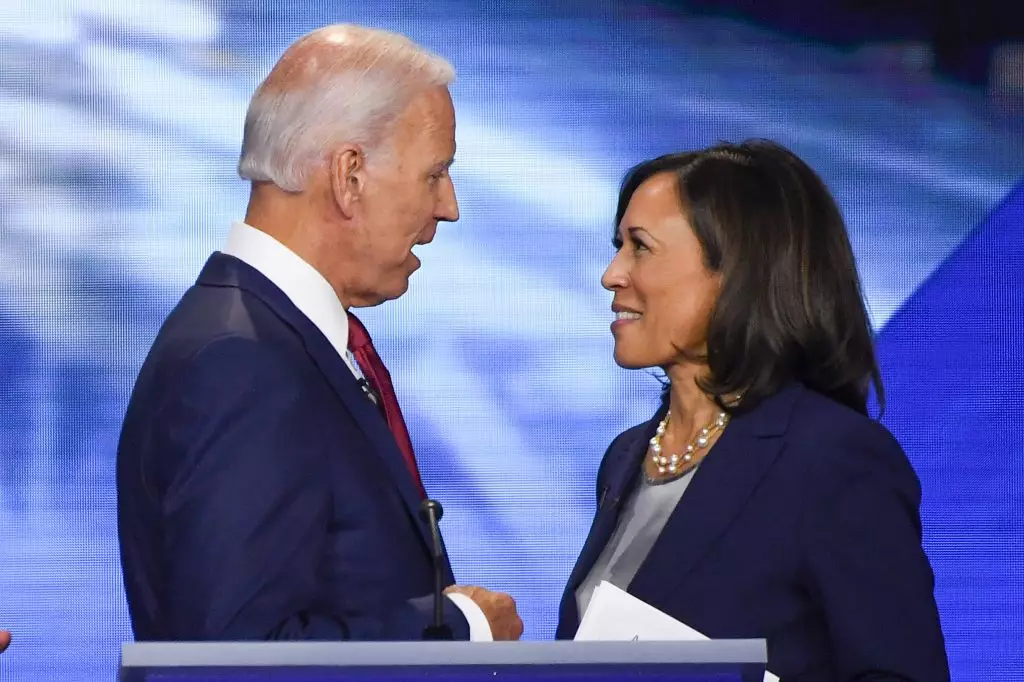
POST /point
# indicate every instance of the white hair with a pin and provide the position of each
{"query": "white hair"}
(341, 83)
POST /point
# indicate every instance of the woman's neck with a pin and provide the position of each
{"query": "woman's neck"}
(691, 408)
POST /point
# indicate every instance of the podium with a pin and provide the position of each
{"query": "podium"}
(741, 660)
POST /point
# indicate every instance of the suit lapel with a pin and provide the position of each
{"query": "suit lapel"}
(224, 270)
(716, 495)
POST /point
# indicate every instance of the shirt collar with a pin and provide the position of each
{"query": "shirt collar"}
(307, 289)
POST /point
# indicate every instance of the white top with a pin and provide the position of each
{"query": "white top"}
(315, 298)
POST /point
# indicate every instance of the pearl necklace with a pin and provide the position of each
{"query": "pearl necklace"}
(675, 465)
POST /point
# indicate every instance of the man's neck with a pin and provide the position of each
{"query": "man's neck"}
(290, 219)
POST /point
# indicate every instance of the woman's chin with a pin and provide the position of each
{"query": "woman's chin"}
(627, 360)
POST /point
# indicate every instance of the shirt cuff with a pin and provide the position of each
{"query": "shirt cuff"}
(479, 628)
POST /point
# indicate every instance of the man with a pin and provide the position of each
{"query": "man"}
(267, 488)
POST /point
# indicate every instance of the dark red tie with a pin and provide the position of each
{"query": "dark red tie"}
(377, 374)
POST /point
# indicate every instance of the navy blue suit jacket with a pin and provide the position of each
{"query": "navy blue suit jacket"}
(260, 493)
(802, 527)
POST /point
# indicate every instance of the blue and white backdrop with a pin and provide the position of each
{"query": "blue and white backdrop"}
(120, 123)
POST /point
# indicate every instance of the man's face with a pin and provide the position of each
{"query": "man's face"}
(407, 191)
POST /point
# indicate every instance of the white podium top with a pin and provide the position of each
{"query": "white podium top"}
(370, 654)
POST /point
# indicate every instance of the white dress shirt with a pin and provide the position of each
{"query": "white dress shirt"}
(315, 298)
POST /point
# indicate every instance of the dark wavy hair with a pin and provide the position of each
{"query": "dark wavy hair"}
(790, 305)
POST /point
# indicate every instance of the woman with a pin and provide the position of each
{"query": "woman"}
(760, 501)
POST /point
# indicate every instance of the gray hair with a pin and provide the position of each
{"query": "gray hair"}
(340, 83)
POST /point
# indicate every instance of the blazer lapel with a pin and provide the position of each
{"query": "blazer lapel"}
(224, 270)
(619, 481)
(717, 494)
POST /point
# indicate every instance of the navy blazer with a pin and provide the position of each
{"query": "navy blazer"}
(260, 492)
(801, 527)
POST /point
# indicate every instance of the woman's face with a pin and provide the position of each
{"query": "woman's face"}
(664, 294)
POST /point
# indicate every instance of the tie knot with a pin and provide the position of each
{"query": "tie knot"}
(358, 337)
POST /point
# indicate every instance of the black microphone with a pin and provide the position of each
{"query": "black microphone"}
(367, 390)
(431, 512)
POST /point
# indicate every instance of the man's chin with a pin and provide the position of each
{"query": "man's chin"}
(398, 290)
(385, 291)
(381, 295)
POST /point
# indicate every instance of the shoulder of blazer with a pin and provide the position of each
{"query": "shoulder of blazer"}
(837, 442)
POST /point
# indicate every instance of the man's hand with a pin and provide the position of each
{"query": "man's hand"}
(5, 640)
(498, 607)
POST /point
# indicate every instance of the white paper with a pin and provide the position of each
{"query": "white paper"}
(614, 615)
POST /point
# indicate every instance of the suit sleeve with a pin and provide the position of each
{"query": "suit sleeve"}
(867, 567)
(246, 506)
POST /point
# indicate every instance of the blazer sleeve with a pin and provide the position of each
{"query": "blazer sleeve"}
(866, 565)
(246, 505)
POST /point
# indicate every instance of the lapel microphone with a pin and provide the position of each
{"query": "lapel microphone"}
(367, 389)
(431, 512)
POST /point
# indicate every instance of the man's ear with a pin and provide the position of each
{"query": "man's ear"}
(348, 177)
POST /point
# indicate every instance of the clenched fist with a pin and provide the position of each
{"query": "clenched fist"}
(498, 607)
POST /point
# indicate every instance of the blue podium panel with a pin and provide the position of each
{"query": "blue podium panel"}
(711, 661)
